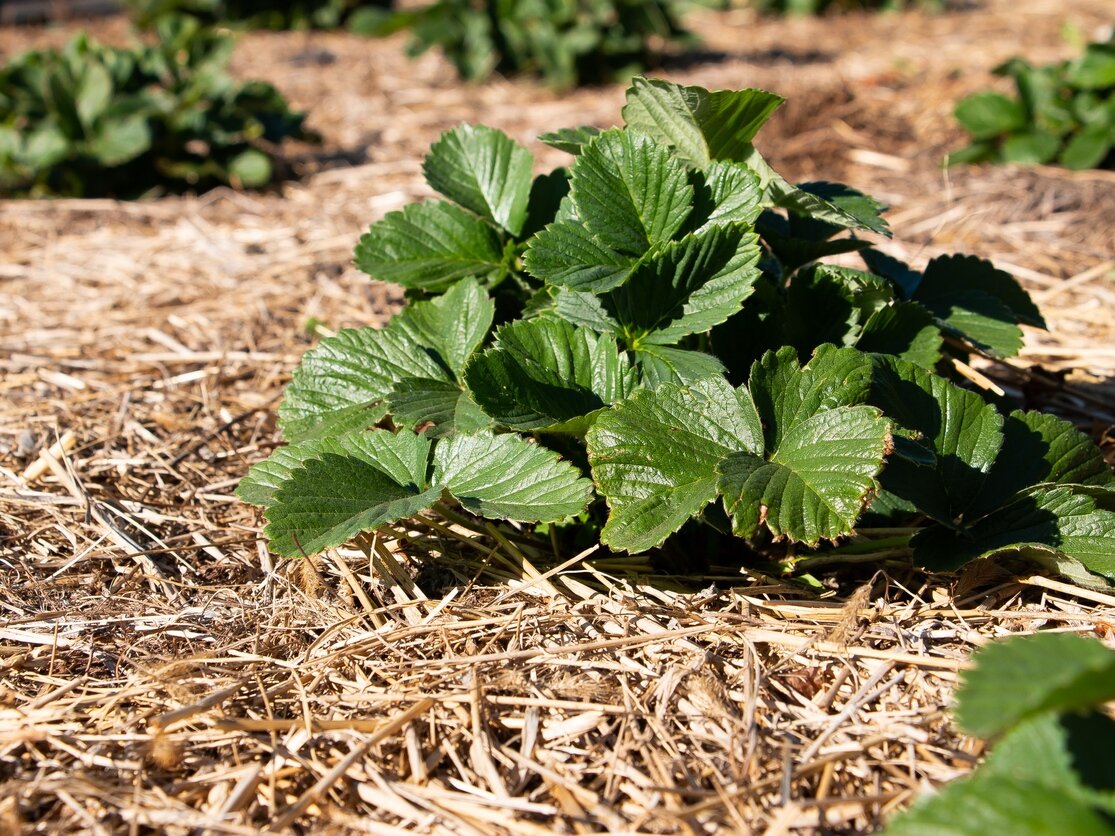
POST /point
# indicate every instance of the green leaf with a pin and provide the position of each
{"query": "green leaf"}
(571, 140)
(1045, 523)
(904, 329)
(654, 456)
(506, 477)
(429, 340)
(734, 195)
(665, 364)
(700, 125)
(1041, 448)
(263, 478)
(1030, 147)
(786, 394)
(1095, 69)
(630, 192)
(980, 806)
(988, 115)
(45, 146)
(963, 432)
(816, 483)
(1016, 679)
(568, 255)
(822, 452)
(251, 168)
(547, 374)
(429, 246)
(451, 326)
(356, 483)
(483, 170)
(436, 407)
(690, 286)
(975, 301)
(852, 202)
(1088, 148)
(93, 94)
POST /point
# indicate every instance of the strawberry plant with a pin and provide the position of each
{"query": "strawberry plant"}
(1041, 698)
(817, 7)
(652, 341)
(566, 42)
(1064, 113)
(92, 120)
(259, 14)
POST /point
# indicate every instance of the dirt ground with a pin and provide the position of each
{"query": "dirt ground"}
(160, 672)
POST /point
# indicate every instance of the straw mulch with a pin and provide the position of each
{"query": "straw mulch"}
(160, 672)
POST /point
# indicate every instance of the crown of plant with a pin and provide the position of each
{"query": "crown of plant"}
(652, 335)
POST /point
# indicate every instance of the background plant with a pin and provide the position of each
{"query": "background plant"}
(1063, 113)
(261, 14)
(566, 42)
(816, 7)
(656, 326)
(91, 120)
(1041, 700)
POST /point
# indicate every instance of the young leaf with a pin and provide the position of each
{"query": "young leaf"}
(547, 374)
(570, 140)
(483, 170)
(654, 456)
(566, 254)
(429, 246)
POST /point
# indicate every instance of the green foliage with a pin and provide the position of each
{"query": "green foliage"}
(92, 120)
(263, 14)
(1063, 113)
(566, 42)
(660, 314)
(1042, 698)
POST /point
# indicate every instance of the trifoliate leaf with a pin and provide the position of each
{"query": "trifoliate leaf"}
(429, 246)
(700, 125)
(1016, 679)
(815, 484)
(963, 432)
(506, 477)
(630, 192)
(263, 478)
(547, 374)
(654, 456)
(354, 484)
(483, 170)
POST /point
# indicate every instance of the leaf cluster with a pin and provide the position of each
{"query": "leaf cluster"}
(261, 14)
(91, 120)
(656, 328)
(565, 42)
(1042, 700)
(1063, 113)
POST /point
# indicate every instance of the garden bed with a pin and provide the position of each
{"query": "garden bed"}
(160, 670)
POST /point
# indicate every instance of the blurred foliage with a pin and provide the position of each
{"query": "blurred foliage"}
(566, 42)
(1063, 113)
(91, 120)
(264, 14)
(818, 7)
